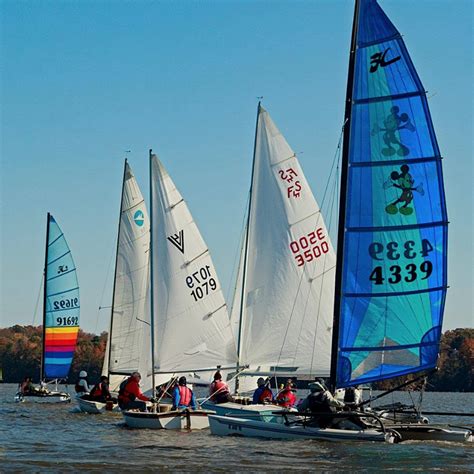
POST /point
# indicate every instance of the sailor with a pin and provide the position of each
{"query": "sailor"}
(262, 394)
(352, 396)
(183, 397)
(27, 386)
(129, 393)
(286, 396)
(100, 392)
(320, 400)
(81, 385)
(219, 391)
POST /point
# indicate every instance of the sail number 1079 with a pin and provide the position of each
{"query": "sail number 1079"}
(201, 282)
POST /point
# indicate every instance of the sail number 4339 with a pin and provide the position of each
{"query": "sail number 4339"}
(394, 251)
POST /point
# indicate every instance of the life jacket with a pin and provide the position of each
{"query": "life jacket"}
(266, 395)
(80, 388)
(218, 387)
(98, 391)
(286, 398)
(124, 395)
(185, 395)
(350, 396)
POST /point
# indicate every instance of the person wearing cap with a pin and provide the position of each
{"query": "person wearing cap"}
(262, 394)
(320, 400)
(286, 396)
(130, 394)
(183, 396)
(81, 385)
(219, 391)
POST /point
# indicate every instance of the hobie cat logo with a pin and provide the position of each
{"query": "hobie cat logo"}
(139, 218)
(178, 240)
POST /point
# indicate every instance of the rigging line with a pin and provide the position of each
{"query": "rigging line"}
(37, 299)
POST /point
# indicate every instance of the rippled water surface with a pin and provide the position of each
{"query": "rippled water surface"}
(53, 438)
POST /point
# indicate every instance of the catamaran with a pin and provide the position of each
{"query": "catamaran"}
(391, 274)
(128, 344)
(190, 326)
(60, 317)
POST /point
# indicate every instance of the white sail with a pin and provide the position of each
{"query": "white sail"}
(191, 324)
(290, 268)
(128, 346)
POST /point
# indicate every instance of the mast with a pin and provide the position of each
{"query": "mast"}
(342, 201)
(45, 297)
(150, 253)
(115, 272)
(244, 270)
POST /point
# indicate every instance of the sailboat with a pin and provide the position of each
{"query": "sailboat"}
(60, 317)
(128, 344)
(283, 307)
(190, 326)
(391, 272)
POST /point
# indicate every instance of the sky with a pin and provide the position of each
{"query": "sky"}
(82, 82)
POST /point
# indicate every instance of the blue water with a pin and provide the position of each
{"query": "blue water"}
(53, 438)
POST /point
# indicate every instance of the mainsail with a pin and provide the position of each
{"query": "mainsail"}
(128, 345)
(191, 325)
(394, 221)
(61, 305)
(287, 267)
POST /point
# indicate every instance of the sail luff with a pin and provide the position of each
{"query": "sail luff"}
(247, 234)
(43, 355)
(342, 201)
(152, 286)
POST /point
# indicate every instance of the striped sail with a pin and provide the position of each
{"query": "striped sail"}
(61, 308)
(395, 240)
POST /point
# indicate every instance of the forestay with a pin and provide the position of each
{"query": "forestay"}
(128, 346)
(394, 276)
(191, 324)
(61, 305)
(288, 283)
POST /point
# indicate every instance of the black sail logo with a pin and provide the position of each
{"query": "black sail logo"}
(178, 240)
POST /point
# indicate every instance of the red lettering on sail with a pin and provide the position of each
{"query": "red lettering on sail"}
(294, 189)
(309, 247)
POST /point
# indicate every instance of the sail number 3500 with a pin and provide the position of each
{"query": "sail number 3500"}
(202, 283)
(309, 247)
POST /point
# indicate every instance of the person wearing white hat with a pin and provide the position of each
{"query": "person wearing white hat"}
(82, 386)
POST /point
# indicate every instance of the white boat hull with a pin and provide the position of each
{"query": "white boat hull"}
(427, 432)
(253, 412)
(45, 397)
(228, 426)
(89, 406)
(169, 420)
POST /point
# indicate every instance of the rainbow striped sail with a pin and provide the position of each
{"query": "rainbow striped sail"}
(395, 229)
(61, 305)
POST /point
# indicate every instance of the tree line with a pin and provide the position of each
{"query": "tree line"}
(21, 348)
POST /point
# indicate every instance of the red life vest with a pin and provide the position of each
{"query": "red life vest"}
(98, 391)
(266, 395)
(185, 395)
(126, 396)
(286, 398)
(218, 387)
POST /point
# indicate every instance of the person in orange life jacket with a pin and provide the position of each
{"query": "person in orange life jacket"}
(130, 395)
(286, 396)
(183, 397)
(100, 391)
(263, 394)
(81, 385)
(219, 391)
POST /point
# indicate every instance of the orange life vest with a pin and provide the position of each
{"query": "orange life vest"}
(185, 395)
(218, 387)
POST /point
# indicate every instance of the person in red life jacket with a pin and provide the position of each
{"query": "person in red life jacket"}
(219, 391)
(130, 395)
(100, 392)
(286, 397)
(183, 397)
(263, 394)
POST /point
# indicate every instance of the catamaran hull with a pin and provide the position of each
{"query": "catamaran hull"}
(427, 432)
(253, 412)
(50, 397)
(89, 406)
(228, 426)
(171, 420)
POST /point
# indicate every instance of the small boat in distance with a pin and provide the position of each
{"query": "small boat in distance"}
(60, 318)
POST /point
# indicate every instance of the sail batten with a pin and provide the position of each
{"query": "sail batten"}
(394, 281)
(61, 305)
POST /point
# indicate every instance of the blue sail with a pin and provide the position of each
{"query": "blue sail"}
(61, 312)
(395, 240)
